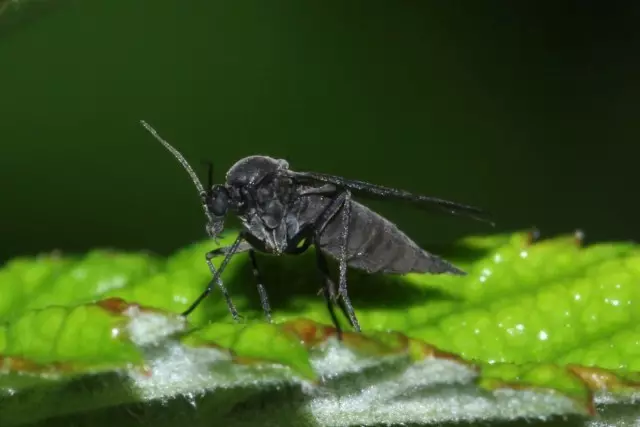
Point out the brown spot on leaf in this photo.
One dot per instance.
(114, 305)
(308, 331)
(120, 306)
(421, 350)
(23, 365)
(602, 379)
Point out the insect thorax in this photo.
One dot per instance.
(251, 169)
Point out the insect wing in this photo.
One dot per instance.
(367, 188)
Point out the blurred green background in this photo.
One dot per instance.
(527, 110)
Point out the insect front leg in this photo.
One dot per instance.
(243, 247)
(228, 251)
(209, 256)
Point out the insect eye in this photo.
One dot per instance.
(219, 202)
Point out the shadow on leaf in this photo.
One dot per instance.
(288, 279)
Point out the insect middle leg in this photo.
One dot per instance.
(327, 289)
(264, 299)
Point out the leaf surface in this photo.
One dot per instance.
(537, 330)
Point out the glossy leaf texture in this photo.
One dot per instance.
(539, 329)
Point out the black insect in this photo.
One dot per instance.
(285, 212)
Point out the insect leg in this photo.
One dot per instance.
(342, 199)
(229, 252)
(334, 297)
(264, 299)
(344, 239)
(243, 247)
(326, 280)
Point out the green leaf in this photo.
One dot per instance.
(537, 330)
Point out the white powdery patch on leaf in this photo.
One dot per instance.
(178, 370)
(608, 398)
(333, 360)
(416, 396)
(149, 328)
(426, 392)
(174, 369)
(616, 411)
(357, 391)
(336, 360)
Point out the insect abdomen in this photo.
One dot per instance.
(377, 245)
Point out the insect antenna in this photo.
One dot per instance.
(203, 194)
(185, 165)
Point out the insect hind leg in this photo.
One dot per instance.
(344, 239)
(343, 200)
(335, 297)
